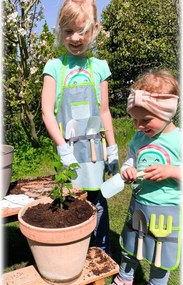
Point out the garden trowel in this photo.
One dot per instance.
(139, 224)
(93, 128)
(71, 130)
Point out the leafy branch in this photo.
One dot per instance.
(63, 179)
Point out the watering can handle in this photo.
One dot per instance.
(139, 248)
(157, 261)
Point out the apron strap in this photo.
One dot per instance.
(93, 81)
(61, 85)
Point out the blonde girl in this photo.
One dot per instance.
(75, 106)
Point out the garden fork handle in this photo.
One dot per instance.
(157, 261)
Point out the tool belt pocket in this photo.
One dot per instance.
(157, 235)
(87, 148)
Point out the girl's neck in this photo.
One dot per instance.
(84, 55)
(169, 128)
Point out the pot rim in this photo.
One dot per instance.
(63, 235)
(6, 148)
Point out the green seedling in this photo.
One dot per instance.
(63, 179)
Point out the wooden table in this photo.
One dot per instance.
(9, 214)
(95, 271)
(33, 188)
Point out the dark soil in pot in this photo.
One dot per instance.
(75, 211)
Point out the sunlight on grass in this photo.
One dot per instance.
(17, 251)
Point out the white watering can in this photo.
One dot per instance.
(114, 185)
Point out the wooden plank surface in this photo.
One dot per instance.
(24, 276)
(97, 267)
(35, 188)
(8, 212)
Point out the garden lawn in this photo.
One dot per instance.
(16, 250)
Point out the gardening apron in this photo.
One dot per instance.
(78, 101)
(170, 253)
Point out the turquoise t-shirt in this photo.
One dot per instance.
(164, 148)
(77, 71)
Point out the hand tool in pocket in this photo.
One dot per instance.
(71, 130)
(160, 231)
(104, 146)
(114, 185)
(139, 224)
(93, 127)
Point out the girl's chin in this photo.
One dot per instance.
(76, 52)
(149, 133)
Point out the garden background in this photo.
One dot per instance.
(135, 36)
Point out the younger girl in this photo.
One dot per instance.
(75, 106)
(156, 150)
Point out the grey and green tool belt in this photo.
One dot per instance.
(158, 235)
(85, 137)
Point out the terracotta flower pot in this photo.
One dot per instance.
(7, 160)
(59, 254)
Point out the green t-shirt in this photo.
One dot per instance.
(77, 71)
(164, 148)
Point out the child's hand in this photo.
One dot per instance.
(66, 155)
(129, 174)
(112, 164)
(159, 172)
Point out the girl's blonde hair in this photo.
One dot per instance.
(71, 10)
(157, 81)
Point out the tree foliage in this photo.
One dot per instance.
(25, 53)
(137, 35)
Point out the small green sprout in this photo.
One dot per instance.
(63, 179)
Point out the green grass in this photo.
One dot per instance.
(17, 251)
